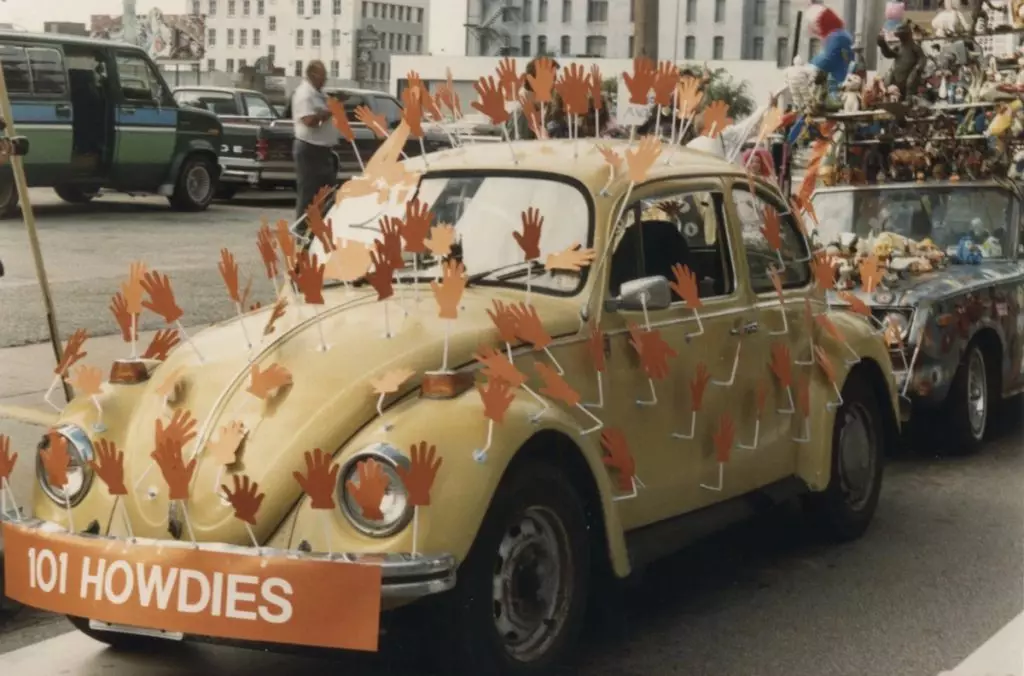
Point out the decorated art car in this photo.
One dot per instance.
(531, 365)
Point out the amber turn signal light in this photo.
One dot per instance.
(128, 372)
(445, 385)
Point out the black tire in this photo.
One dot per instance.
(843, 511)
(967, 427)
(129, 643)
(8, 195)
(75, 194)
(8, 607)
(196, 185)
(226, 191)
(533, 506)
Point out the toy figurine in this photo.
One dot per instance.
(908, 61)
(852, 91)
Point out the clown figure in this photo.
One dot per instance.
(833, 61)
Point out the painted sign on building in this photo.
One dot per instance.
(174, 37)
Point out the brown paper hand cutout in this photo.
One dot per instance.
(370, 491)
(504, 320)
(391, 381)
(619, 457)
(825, 364)
(529, 326)
(442, 237)
(496, 366)
(380, 276)
(72, 353)
(308, 275)
(172, 466)
(870, 273)
(412, 111)
(161, 297)
(224, 449)
(320, 479)
(449, 292)
(492, 102)
(529, 238)
(161, 345)
(264, 382)
(716, 118)
(640, 160)
(641, 80)
(416, 227)
(132, 287)
(268, 250)
(556, 387)
(419, 477)
(378, 124)
(777, 283)
(426, 100)
(686, 287)
(245, 498)
(653, 350)
(55, 459)
(181, 428)
(7, 459)
(285, 242)
(595, 345)
(229, 273)
(391, 244)
(340, 118)
(276, 312)
(771, 229)
(544, 80)
(688, 96)
(782, 364)
(698, 386)
(109, 466)
(87, 380)
(511, 82)
(594, 82)
(119, 308)
(724, 437)
(824, 273)
(497, 395)
(665, 80)
(322, 229)
(856, 304)
(572, 259)
(350, 261)
(572, 87)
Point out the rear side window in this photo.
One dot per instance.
(257, 106)
(219, 103)
(47, 68)
(351, 101)
(16, 70)
(389, 108)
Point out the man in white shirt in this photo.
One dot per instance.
(315, 136)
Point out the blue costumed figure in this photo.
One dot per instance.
(836, 53)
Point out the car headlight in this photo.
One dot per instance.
(899, 322)
(80, 474)
(394, 507)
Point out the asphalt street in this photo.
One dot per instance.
(938, 573)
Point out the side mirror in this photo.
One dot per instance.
(650, 292)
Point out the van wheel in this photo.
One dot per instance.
(118, 641)
(520, 600)
(75, 194)
(8, 196)
(843, 511)
(196, 185)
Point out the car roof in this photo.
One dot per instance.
(60, 38)
(208, 88)
(361, 92)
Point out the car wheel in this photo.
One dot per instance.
(521, 596)
(843, 511)
(968, 403)
(8, 196)
(75, 194)
(196, 185)
(119, 641)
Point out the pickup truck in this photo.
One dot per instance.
(275, 139)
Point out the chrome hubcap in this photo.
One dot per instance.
(532, 583)
(977, 394)
(856, 450)
(197, 183)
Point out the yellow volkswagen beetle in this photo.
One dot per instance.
(572, 373)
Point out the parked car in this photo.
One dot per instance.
(99, 115)
(536, 501)
(956, 304)
(278, 168)
(242, 112)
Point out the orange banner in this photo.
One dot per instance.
(220, 594)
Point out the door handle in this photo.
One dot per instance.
(128, 111)
(745, 328)
(63, 110)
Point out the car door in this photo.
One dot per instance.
(783, 340)
(146, 122)
(674, 223)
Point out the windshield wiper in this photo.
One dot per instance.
(534, 266)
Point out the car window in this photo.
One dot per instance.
(138, 81)
(761, 257)
(221, 103)
(676, 227)
(16, 69)
(389, 108)
(257, 106)
(351, 101)
(47, 69)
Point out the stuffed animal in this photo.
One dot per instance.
(800, 81)
(852, 90)
(908, 61)
(950, 22)
(1017, 13)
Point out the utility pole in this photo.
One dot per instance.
(639, 28)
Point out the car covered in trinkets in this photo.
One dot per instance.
(495, 377)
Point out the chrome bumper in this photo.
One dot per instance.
(230, 174)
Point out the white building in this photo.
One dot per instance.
(354, 38)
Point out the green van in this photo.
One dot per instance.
(99, 115)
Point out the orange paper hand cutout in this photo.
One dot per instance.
(320, 479)
(161, 345)
(856, 304)
(380, 276)
(870, 273)
(309, 277)
(572, 87)
(698, 386)
(416, 227)
(391, 243)
(161, 297)
(572, 259)
(263, 383)
(511, 82)
(529, 326)
(595, 345)
(229, 273)
(340, 118)
(378, 124)
(496, 395)
(640, 160)
(391, 381)
(109, 466)
(504, 320)
(245, 499)
(619, 457)
(688, 96)
(55, 459)
(686, 287)
(724, 437)
(322, 229)
(419, 477)
(529, 238)
(771, 229)
(492, 102)
(427, 102)
(825, 363)
(7, 459)
(544, 80)
(285, 242)
(119, 308)
(641, 80)
(172, 466)
(782, 364)
(449, 292)
(441, 239)
(824, 273)
(653, 350)
(716, 118)
(556, 387)
(88, 380)
(72, 353)
(132, 287)
(181, 429)
(225, 448)
(496, 366)
(276, 312)
(412, 111)
(665, 80)
(349, 261)
(531, 111)
(268, 250)
(370, 491)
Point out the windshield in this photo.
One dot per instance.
(945, 215)
(486, 212)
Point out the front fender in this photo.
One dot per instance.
(195, 145)
(463, 488)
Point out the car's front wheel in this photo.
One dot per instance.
(196, 185)
(74, 194)
(520, 601)
(969, 402)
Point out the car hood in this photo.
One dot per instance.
(331, 397)
(912, 289)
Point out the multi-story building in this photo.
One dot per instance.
(354, 38)
(65, 28)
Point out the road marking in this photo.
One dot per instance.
(1001, 655)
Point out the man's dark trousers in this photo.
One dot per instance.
(314, 168)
